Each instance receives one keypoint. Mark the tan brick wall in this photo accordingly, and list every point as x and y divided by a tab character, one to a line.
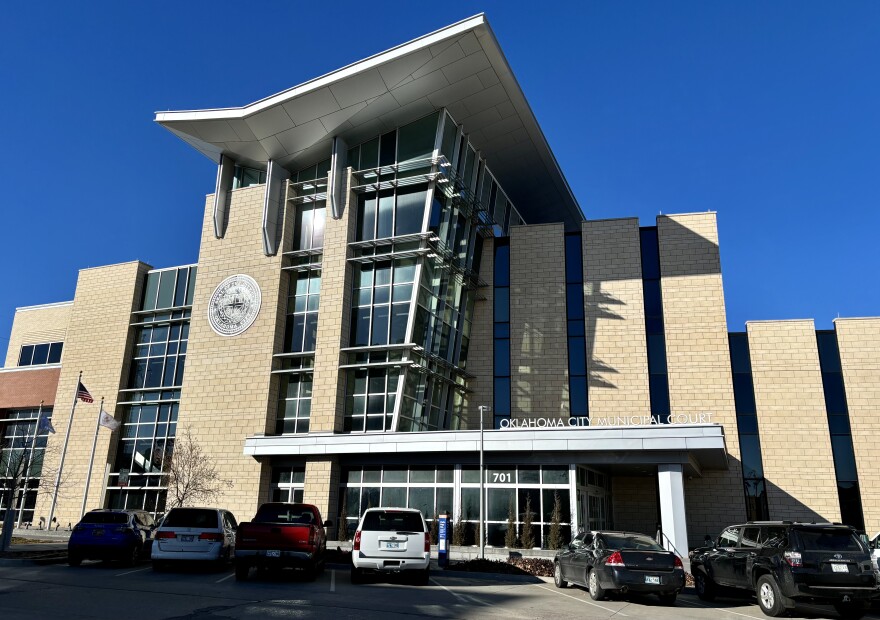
634	504
482	345
698	359
615	318
321	489
793	425
328	385
538	340
98	342
859	342
35	326
228	391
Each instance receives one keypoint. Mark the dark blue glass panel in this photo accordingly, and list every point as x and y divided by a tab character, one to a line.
851	504
756	499
502	396
574	265
574	300
180	290
502	305
410	210
747	424
502	358
577	356
839	424
740	360
388	149
577	387
502	263
361	327
654	325
835	398
55	352
369	156
752	464
26	356
656	354
659	388
41	354
366	217
385	214
502	330
744	394
653	298
829	356
650	253
576	328
399	317
310	335
380	325
844	459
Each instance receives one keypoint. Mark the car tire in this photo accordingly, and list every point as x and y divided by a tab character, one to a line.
769	597
311	571
74	559
597	592
705	587
667	599
242	571
357	575
850	611
422	577
558	581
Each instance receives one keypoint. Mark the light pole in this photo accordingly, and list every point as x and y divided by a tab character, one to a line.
483	409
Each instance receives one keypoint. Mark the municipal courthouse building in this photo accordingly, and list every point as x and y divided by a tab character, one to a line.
392	255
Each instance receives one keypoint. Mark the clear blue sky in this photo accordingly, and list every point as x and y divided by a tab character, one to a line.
767	112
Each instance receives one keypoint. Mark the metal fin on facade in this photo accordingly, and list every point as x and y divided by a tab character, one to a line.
225	171
336	178
276	182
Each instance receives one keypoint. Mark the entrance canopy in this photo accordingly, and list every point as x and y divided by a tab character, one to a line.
629	448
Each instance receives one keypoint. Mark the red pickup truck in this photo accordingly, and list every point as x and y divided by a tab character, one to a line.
281	536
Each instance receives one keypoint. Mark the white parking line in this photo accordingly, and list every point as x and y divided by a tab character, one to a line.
332	580
614	611
727	611
229	576
139	570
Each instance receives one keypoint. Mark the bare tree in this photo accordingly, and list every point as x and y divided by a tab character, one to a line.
191	475
555	536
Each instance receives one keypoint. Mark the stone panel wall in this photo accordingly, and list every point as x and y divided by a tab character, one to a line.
859	342
36	325
482	343
634	502
793	425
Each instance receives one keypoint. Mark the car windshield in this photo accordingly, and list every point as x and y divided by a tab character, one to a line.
191	517
630	541
393	521
105	517
829	540
285	513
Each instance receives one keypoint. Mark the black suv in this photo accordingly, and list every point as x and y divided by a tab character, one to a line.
783	562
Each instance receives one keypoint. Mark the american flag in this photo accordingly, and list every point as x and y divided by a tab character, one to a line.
83	394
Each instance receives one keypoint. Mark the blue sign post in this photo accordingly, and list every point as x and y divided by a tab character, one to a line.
443	541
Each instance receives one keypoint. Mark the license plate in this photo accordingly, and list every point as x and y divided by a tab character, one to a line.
186	538
652	579
273	554
839	568
392	545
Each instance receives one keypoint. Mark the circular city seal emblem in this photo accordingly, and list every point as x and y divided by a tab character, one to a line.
234	305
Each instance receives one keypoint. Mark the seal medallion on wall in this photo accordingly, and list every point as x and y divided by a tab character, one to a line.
234	305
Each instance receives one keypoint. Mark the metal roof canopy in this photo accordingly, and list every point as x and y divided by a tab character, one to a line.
460	67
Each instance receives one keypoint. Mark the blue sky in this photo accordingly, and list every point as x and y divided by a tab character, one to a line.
766	112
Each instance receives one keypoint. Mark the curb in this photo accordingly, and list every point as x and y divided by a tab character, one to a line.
8	562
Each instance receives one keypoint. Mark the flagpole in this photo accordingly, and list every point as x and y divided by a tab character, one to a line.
92	459
63	453
27	471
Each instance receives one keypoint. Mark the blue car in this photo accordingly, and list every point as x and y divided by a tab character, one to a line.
122	535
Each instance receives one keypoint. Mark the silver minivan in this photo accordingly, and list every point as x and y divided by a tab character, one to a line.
194	534
392	540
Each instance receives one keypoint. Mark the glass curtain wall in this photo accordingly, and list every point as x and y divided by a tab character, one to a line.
151	399
425	201
19	467
658	378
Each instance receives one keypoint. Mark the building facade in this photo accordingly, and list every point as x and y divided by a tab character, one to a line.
394	277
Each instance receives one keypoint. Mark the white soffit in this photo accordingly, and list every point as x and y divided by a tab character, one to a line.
460	67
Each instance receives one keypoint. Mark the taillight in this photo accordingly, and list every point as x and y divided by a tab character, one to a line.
615	559
356	546
427	542
165	535
678	563
793	558
312	537
215	536
122	529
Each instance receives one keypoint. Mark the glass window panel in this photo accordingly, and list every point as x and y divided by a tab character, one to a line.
41	354
376	403
369	498
750	447
354	475
386	214
502	264
502	330
318	223
574	268
380	325
528	475
154	373
747	424
151	290
422	474
310	335
574	301
303	233
168	377
191	285
656	354
744	393
370	154
399	318
555	475
178	375
659	389
470	474
372	474
839	424
388	149
55	352
470	504
835	399
502	305
444	474
383	273
502	396
653	298
851	504
166	289
361	325
26	356
394	496
550	496
650	253
498	502
366	217
577	356
416	140
578	396
529	495
502	358
422	498
444	500
394	474
844	458
739	353
180	290
829	356
410	210
450	131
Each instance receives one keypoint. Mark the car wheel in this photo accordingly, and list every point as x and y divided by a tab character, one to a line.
597	592
241	572
704	586
769	596
357	575
667	599
850	611
422	577
311	571
74	559
558	581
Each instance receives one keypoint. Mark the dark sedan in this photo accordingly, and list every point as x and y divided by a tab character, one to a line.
619	561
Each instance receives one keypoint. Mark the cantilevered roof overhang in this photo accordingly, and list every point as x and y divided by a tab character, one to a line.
460	67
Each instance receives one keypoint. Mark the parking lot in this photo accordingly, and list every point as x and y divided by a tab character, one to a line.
100	590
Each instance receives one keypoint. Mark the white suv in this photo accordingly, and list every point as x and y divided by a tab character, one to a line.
392	540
